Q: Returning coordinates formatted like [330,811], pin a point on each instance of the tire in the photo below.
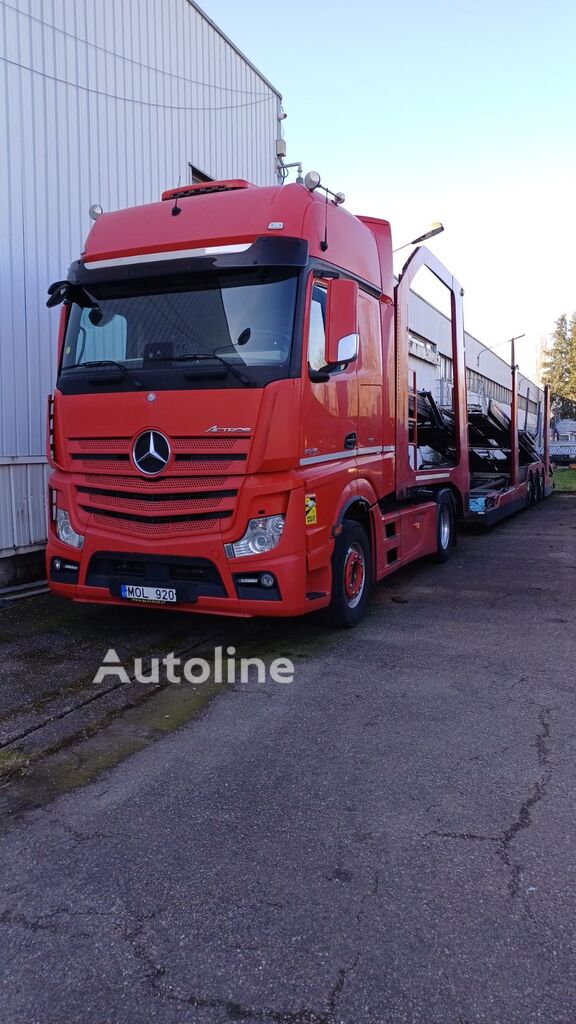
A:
[542,485]
[538,492]
[531,491]
[445,525]
[351,577]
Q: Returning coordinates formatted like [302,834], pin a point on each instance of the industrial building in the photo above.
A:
[98,108]
[113,110]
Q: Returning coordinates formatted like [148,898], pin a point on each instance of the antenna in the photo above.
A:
[324,242]
[177,209]
[312,182]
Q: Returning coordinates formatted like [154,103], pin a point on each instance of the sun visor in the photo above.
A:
[263,252]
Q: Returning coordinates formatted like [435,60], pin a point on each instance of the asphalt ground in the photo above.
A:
[388,838]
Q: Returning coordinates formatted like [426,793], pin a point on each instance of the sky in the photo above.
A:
[459,111]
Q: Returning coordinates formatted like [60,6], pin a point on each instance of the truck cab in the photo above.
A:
[233,426]
[214,411]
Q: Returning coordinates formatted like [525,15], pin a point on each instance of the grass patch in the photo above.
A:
[565,479]
[12,762]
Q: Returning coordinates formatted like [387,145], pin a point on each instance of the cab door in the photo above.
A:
[374,464]
[369,371]
[329,408]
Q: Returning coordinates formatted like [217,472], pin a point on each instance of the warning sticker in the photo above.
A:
[310,509]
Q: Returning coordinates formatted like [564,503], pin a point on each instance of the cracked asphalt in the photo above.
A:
[390,838]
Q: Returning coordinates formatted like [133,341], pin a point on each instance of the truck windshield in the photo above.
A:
[228,329]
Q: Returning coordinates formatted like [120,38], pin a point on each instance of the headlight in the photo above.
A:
[261,535]
[65,531]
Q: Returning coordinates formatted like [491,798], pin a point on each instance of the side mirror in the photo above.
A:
[57,293]
[341,322]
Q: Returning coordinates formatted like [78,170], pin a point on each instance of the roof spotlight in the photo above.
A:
[312,180]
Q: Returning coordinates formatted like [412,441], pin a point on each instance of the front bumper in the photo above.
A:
[204,578]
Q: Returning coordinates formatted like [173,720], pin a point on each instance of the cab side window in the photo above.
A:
[316,330]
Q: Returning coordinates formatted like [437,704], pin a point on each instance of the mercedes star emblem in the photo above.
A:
[151,452]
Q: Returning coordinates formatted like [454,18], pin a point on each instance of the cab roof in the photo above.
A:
[225,213]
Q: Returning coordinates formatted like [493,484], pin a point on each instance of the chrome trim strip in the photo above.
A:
[333,456]
[157,257]
[376,450]
[432,477]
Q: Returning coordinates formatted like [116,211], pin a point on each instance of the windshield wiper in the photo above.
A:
[201,356]
[105,362]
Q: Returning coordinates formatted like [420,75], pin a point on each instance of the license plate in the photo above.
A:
[158,595]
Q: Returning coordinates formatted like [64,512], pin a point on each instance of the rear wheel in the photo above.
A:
[351,576]
[445,525]
[539,494]
[542,485]
[531,490]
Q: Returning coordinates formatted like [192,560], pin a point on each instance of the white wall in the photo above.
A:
[100,101]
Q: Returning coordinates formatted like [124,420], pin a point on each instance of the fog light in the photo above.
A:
[267,579]
[63,571]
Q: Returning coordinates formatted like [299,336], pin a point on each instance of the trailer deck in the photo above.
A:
[499,483]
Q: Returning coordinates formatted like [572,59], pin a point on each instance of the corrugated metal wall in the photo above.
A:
[106,102]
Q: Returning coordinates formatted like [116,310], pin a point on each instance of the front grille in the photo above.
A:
[99,445]
[110,462]
[186,444]
[206,444]
[152,528]
[157,485]
[211,457]
[158,520]
[172,505]
[153,503]
[112,455]
[199,489]
[89,458]
[151,507]
[197,575]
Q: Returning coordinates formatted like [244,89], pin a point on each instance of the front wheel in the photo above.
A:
[445,525]
[351,576]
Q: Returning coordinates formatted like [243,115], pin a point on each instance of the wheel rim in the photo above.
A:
[445,527]
[354,575]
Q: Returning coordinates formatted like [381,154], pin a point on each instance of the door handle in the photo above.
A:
[350,440]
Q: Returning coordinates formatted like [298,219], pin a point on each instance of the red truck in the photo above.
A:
[235,428]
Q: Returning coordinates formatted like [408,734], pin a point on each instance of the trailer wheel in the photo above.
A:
[351,576]
[538,492]
[542,485]
[445,525]
[531,491]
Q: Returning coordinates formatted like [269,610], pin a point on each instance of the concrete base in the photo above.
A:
[26,567]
